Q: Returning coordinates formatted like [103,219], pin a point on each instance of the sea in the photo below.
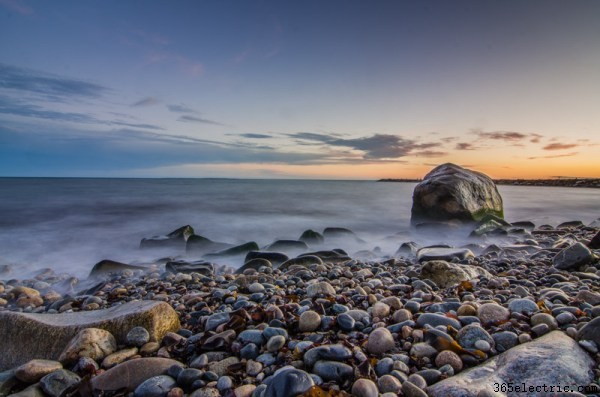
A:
[69,224]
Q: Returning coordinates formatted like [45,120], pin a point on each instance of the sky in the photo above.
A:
[299,89]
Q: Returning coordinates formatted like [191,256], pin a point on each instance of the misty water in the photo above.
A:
[71,224]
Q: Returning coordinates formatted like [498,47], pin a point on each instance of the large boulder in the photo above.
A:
[450,192]
[26,336]
[176,239]
[554,359]
[445,274]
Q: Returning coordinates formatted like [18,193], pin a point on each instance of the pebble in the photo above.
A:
[544,318]
[34,370]
[447,357]
[524,306]
[364,388]
[492,313]
[138,336]
[59,383]
[380,341]
[470,334]
[346,322]
[409,389]
[288,381]
[118,357]
[505,340]
[275,343]
[332,370]
[319,288]
[388,384]
[309,321]
[157,386]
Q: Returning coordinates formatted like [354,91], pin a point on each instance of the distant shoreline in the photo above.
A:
[557,182]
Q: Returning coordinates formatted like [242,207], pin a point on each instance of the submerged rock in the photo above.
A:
[26,336]
[450,192]
[107,267]
[572,257]
[554,359]
[201,267]
[175,239]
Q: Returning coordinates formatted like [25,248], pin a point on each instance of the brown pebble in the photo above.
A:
[449,357]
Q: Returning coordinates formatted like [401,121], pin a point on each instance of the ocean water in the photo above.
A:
[70,224]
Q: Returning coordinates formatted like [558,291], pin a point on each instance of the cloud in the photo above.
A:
[509,136]
[375,147]
[17,108]
[560,146]
[180,109]
[136,125]
[554,156]
[464,146]
[148,101]
[429,153]
[47,85]
[535,138]
[17,6]
[194,119]
[255,136]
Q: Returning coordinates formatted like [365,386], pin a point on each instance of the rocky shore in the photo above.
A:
[518,306]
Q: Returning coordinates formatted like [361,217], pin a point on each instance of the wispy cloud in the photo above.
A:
[509,136]
[429,153]
[375,147]
[560,146]
[136,125]
[17,108]
[535,138]
[47,85]
[180,109]
[17,6]
[194,119]
[255,136]
[553,156]
[464,146]
[148,101]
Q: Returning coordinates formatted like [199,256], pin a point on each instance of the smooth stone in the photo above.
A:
[275,258]
[423,349]
[275,343]
[220,367]
[59,383]
[435,320]
[287,245]
[256,287]
[332,370]
[244,391]
[447,357]
[288,382]
[593,298]
[345,322]
[380,310]
[118,357]
[505,340]
[550,360]
[450,192]
[524,306]
[572,257]
[590,331]
[469,335]
[328,353]
[138,336]
[8,381]
[409,389]
[201,267]
[319,288]
[34,370]
[224,383]
[130,374]
[364,388]
[106,267]
[544,318]
[309,321]
[206,392]
[250,351]
[157,386]
[186,378]
[26,336]
[443,254]
[93,343]
[389,384]
[445,274]
[34,390]
[215,320]
[311,237]
[380,341]
[256,264]
[492,313]
[251,336]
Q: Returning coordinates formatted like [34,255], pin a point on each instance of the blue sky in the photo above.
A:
[336,89]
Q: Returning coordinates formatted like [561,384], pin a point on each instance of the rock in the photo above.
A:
[287,245]
[157,386]
[469,335]
[255,264]
[106,267]
[364,388]
[138,336]
[319,288]
[435,319]
[275,343]
[333,370]
[25,336]
[409,389]
[572,257]
[389,384]
[241,249]
[505,340]
[450,192]
[34,370]
[593,298]
[492,313]
[276,258]
[346,322]
[220,367]
[206,392]
[309,321]
[554,359]
[94,343]
[216,319]
[7,382]
[130,374]
[59,383]
[447,357]
[443,254]
[32,391]
[590,331]
[328,353]
[338,232]
[244,391]
[305,261]
[199,245]
[288,382]
[118,357]
[180,266]
[595,242]
[524,306]
[380,341]
[175,239]
[445,274]
[311,237]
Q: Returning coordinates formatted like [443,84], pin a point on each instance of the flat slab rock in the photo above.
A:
[554,359]
[27,336]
